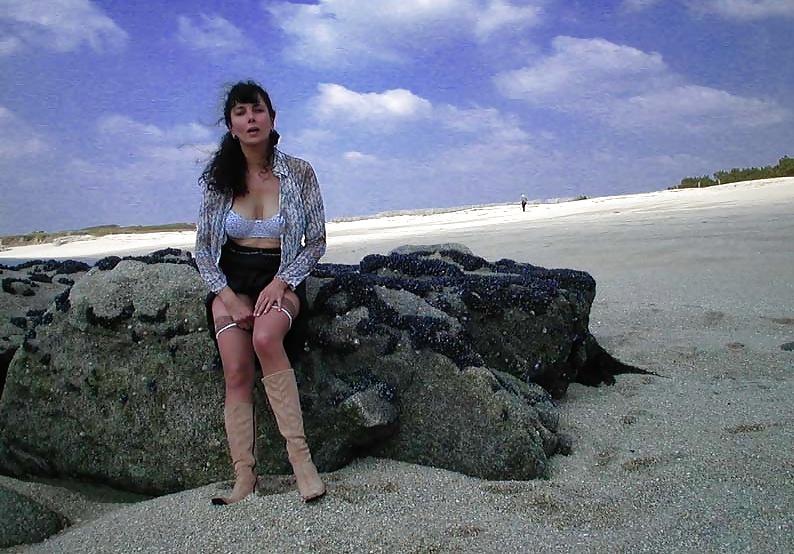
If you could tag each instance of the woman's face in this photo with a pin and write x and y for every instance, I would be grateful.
(251, 123)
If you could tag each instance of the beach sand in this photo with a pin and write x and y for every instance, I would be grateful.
(696, 285)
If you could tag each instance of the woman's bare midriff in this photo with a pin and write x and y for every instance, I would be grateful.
(259, 243)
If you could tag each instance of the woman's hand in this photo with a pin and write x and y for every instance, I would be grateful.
(271, 295)
(240, 308)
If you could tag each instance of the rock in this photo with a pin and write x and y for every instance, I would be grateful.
(24, 521)
(428, 355)
(27, 291)
(476, 421)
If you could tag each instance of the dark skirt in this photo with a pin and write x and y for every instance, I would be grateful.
(248, 271)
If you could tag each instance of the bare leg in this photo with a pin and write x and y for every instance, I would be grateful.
(269, 332)
(282, 393)
(237, 356)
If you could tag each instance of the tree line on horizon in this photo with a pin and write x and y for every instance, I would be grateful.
(783, 168)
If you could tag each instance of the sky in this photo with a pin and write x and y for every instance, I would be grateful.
(109, 109)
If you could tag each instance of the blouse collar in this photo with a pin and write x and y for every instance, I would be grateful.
(279, 163)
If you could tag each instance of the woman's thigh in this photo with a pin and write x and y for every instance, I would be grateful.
(275, 324)
(234, 344)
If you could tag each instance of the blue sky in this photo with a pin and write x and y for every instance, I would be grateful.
(108, 109)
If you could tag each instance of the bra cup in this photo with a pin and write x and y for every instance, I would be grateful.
(238, 227)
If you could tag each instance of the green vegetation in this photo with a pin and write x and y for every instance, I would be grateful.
(784, 168)
(38, 237)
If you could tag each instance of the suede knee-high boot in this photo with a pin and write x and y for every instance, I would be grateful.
(239, 420)
(282, 392)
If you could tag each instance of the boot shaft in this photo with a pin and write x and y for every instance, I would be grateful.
(282, 392)
(240, 432)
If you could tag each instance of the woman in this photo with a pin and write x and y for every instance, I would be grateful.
(260, 232)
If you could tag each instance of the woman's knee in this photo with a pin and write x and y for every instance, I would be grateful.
(267, 341)
(238, 373)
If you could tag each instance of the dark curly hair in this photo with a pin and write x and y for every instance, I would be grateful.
(226, 170)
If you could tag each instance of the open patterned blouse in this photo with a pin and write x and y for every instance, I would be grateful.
(302, 229)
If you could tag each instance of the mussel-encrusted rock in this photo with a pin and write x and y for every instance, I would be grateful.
(429, 355)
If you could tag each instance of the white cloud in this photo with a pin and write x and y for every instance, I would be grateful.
(499, 14)
(698, 109)
(443, 143)
(211, 34)
(359, 157)
(59, 25)
(488, 123)
(146, 148)
(744, 9)
(591, 69)
(489, 138)
(123, 126)
(15, 141)
(348, 31)
(468, 138)
(629, 88)
(9, 45)
(126, 128)
(335, 101)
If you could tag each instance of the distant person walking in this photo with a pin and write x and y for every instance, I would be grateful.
(261, 231)
(524, 202)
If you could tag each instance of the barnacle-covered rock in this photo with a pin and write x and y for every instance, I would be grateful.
(429, 355)
(26, 291)
(477, 351)
(526, 320)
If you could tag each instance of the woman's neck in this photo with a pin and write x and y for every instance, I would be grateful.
(255, 157)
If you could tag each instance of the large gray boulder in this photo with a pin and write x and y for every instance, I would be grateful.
(429, 355)
(26, 291)
(25, 521)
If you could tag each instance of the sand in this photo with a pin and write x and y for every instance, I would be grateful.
(696, 285)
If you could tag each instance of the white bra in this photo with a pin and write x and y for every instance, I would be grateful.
(238, 227)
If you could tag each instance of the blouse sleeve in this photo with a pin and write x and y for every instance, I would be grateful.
(314, 232)
(208, 240)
